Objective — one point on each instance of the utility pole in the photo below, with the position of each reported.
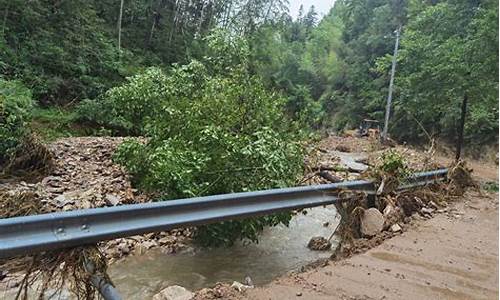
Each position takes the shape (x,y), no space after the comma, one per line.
(460,129)
(391,84)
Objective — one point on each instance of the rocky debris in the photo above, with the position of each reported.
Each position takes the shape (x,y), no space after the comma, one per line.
(328,176)
(219,291)
(169,242)
(396,228)
(427,211)
(342,148)
(85,176)
(347,156)
(388,210)
(352,143)
(240,287)
(319,243)
(327,166)
(174,292)
(415,160)
(372,222)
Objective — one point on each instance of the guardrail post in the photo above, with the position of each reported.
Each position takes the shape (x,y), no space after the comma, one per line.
(105,288)
(370,200)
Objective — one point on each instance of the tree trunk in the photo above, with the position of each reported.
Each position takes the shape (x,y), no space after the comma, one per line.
(5,15)
(120,26)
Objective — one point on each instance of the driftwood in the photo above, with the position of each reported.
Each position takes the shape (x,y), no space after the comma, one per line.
(332,178)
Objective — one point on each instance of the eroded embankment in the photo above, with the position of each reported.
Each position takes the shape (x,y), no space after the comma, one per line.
(454,255)
(85,176)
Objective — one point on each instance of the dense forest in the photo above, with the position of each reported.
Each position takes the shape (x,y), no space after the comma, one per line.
(333,71)
(218,85)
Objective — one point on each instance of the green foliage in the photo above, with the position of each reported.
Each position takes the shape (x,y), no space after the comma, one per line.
(491,187)
(210,132)
(15,113)
(59,50)
(394,164)
(333,71)
(299,57)
(449,51)
(127,108)
(52,123)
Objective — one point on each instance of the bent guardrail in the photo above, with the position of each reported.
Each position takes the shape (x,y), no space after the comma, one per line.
(37,233)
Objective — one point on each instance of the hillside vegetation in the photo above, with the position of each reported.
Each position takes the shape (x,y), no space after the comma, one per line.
(225,92)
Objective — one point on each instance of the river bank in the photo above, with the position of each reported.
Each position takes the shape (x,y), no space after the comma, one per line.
(454,255)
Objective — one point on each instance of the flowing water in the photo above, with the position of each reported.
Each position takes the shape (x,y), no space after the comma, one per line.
(280,249)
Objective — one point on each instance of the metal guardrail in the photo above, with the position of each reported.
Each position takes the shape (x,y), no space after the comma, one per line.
(32,234)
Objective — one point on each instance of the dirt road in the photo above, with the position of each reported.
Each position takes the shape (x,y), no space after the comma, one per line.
(451,256)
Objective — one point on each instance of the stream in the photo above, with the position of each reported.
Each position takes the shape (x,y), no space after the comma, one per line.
(280,250)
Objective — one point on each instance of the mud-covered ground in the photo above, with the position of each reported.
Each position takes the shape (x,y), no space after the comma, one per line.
(454,255)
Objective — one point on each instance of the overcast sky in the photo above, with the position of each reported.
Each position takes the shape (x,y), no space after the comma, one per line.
(321,6)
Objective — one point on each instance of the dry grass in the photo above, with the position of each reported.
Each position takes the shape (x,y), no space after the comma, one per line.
(30,159)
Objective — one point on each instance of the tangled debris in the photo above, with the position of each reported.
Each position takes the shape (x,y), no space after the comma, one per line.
(52,272)
(219,291)
(319,243)
(396,207)
(82,175)
(17,203)
(30,159)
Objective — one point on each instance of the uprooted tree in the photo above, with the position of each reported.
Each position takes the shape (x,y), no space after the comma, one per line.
(211,128)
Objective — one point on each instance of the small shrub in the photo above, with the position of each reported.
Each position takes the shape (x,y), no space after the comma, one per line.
(15,113)
(394,164)
(491,186)
(52,123)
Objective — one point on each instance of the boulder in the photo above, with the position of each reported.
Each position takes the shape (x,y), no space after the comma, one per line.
(174,292)
(372,222)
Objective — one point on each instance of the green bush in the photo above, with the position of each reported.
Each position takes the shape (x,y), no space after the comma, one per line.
(51,123)
(211,129)
(15,113)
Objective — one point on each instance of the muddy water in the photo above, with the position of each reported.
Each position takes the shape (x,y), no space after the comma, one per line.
(281,249)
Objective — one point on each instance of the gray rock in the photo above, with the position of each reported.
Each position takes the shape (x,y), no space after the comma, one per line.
(396,228)
(372,222)
(388,210)
(248,281)
(427,210)
(112,200)
(62,201)
(240,286)
(174,292)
